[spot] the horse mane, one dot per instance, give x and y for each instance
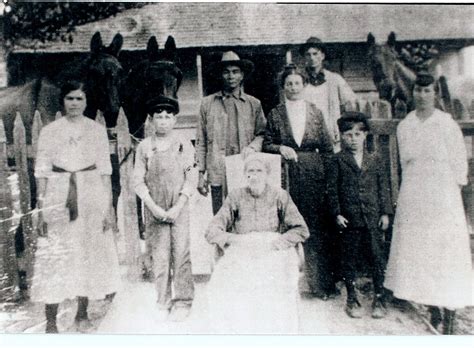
(391, 71)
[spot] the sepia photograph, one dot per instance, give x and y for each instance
(236, 168)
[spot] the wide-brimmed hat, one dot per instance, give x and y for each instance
(232, 58)
(161, 102)
(314, 42)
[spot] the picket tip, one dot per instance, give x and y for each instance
(3, 136)
(122, 121)
(99, 117)
(18, 126)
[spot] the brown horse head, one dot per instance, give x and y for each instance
(156, 76)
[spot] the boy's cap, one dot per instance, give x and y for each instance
(349, 117)
(161, 102)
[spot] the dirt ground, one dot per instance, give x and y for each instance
(132, 312)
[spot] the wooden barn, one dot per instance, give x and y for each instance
(268, 34)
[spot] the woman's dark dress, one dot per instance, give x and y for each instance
(307, 187)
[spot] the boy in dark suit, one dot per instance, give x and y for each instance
(359, 200)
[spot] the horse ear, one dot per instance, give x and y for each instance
(392, 39)
(116, 44)
(96, 43)
(170, 49)
(152, 49)
(370, 39)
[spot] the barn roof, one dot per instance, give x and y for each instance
(248, 24)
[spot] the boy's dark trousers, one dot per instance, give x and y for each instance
(357, 243)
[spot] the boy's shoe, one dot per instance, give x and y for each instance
(378, 308)
(179, 313)
(353, 308)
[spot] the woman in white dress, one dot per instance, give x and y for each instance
(430, 258)
(254, 287)
(76, 255)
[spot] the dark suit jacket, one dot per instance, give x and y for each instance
(361, 195)
(307, 185)
(316, 139)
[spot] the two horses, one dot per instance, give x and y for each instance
(395, 81)
(108, 87)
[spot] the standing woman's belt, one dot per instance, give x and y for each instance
(71, 201)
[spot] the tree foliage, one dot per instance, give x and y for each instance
(39, 22)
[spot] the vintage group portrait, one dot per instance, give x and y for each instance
(236, 168)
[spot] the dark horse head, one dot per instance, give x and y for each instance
(100, 71)
(155, 76)
(103, 75)
(394, 79)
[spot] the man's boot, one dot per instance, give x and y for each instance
(82, 319)
(448, 322)
(378, 307)
(435, 316)
(51, 311)
(353, 308)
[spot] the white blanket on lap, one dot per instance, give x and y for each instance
(254, 289)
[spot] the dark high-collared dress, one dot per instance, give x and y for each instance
(307, 187)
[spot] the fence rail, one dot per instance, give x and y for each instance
(19, 157)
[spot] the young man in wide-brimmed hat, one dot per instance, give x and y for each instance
(328, 90)
(231, 122)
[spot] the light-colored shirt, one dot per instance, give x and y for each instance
(338, 93)
(319, 95)
(72, 146)
(296, 110)
(358, 158)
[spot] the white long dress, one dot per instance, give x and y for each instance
(77, 258)
(430, 258)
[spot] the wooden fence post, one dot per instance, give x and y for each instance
(460, 112)
(21, 164)
(148, 127)
(128, 198)
(385, 109)
(100, 118)
(35, 131)
(8, 262)
(400, 109)
(348, 106)
(370, 110)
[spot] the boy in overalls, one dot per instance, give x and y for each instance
(165, 178)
